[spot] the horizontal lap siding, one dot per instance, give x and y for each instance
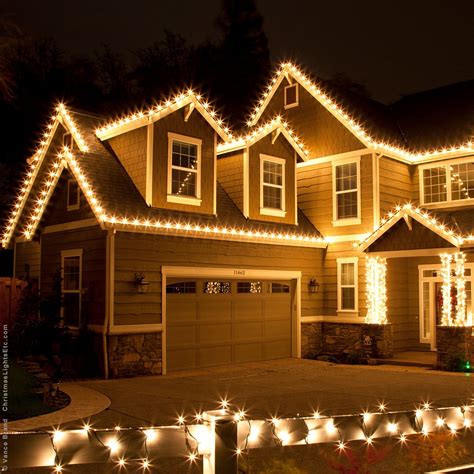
(315, 197)
(27, 253)
(92, 241)
(230, 174)
(147, 253)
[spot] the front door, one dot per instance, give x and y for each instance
(431, 302)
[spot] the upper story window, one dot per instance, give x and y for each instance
(73, 195)
(184, 169)
(291, 96)
(272, 186)
(347, 284)
(346, 192)
(68, 140)
(447, 182)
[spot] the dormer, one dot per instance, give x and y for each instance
(170, 153)
(258, 171)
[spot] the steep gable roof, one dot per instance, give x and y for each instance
(374, 124)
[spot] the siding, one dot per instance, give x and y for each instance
(315, 197)
(280, 149)
(321, 132)
(147, 253)
(27, 253)
(130, 149)
(230, 174)
(195, 127)
(92, 241)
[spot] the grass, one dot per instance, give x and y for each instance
(22, 401)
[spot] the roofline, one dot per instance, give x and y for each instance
(288, 70)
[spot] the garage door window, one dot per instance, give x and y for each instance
(249, 287)
(181, 287)
(216, 287)
(279, 288)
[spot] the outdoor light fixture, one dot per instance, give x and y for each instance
(141, 283)
(313, 285)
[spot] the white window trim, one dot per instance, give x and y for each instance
(189, 200)
(444, 164)
(269, 211)
(72, 253)
(351, 220)
(355, 261)
(297, 102)
(73, 207)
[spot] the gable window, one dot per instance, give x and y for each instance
(291, 96)
(73, 195)
(347, 284)
(184, 169)
(68, 140)
(346, 193)
(447, 182)
(272, 186)
(71, 273)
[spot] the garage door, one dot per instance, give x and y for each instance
(223, 321)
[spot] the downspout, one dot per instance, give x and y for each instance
(109, 302)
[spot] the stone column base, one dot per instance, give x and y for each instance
(377, 341)
(454, 348)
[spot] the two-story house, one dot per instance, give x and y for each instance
(182, 246)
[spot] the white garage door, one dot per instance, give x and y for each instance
(224, 321)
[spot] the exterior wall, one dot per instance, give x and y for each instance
(92, 241)
(315, 197)
(321, 132)
(195, 127)
(130, 149)
(280, 149)
(27, 253)
(230, 174)
(397, 184)
(148, 253)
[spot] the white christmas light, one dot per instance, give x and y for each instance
(376, 270)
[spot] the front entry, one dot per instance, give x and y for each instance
(431, 300)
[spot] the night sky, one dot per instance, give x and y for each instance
(393, 47)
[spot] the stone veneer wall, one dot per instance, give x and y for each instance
(134, 354)
(454, 343)
(338, 339)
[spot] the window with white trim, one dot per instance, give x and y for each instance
(346, 189)
(184, 169)
(272, 186)
(71, 274)
(347, 284)
(447, 182)
(291, 96)
(68, 140)
(73, 195)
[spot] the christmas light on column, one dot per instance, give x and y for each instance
(446, 313)
(459, 271)
(376, 270)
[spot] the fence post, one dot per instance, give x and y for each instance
(223, 454)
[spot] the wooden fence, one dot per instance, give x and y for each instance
(10, 294)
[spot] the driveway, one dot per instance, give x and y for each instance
(284, 387)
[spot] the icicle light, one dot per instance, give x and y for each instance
(376, 269)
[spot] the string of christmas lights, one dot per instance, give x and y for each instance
(376, 269)
(288, 69)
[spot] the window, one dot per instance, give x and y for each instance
(181, 287)
(291, 96)
(279, 288)
(249, 287)
(272, 186)
(73, 195)
(184, 169)
(448, 182)
(346, 198)
(71, 287)
(216, 287)
(68, 140)
(347, 297)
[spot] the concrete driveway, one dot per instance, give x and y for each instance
(284, 387)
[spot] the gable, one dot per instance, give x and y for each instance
(400, 237)
(324, 134)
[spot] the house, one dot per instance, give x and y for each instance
(334, 225)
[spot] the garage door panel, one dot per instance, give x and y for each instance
(216, 355)
(247, 309)
(181, 309)
(182, 334)
(215, 333)
(277, 308)
(180, 359)
(277, 349)
(248, 352)
(248, 330)
(210, 307)
(277, 328)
